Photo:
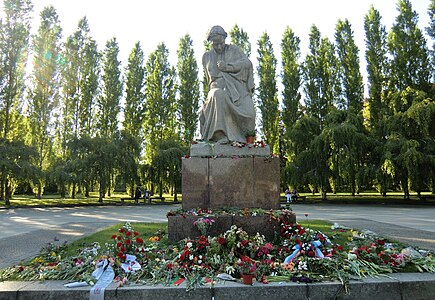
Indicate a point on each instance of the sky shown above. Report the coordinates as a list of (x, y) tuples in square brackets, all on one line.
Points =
[(153, 22)]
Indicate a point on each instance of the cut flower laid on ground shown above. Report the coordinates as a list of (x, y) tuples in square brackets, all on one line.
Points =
[(297, 253)]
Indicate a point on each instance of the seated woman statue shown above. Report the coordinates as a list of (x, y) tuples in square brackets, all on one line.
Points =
[(228, 111)]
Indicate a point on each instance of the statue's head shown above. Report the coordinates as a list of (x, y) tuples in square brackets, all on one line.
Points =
[(216, 31)]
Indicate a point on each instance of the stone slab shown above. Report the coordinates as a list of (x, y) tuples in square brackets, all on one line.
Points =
[(208, 149), (219, 182), (405, 286)]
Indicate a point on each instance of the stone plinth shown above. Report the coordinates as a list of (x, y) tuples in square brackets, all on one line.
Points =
[(180, 227), (216, 182), (204, 149)]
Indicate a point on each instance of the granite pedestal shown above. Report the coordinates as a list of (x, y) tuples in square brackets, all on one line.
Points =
[(230, 182), (221, 175)]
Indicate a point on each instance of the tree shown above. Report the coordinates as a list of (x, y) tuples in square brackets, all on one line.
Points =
[(291, 96), (133, 113), (79, 77), (188, 88), (241, 39), (16, 164), (320, 73), (112, 86), (410, 64), (14, 42), (267, 91), (350, 75), (320, 76), (431, 32), (160, 120), (348, 136), (410, 75), (43, 100), (376, 56), (108, 107)]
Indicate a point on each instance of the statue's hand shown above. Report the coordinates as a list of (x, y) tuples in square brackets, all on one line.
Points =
[(222, 66)]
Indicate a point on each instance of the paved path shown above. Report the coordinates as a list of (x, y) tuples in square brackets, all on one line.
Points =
[(23, 231)]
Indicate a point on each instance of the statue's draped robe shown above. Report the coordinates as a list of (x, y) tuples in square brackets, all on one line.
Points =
[(229, 107)]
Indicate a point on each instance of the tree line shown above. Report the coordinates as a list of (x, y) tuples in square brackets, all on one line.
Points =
[(80, 122)]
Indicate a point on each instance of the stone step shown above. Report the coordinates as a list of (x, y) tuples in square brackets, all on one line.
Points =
[(397, 286)]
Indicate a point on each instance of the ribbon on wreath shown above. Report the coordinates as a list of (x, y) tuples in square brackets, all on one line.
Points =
[(295, 253), (317, 244)]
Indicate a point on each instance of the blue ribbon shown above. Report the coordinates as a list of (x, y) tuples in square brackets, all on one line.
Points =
[(289, 258), (316, 245)]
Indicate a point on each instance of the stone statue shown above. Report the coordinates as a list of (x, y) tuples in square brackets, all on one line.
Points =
[(228, 112)]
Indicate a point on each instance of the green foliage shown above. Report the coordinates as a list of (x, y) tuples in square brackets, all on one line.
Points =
[(188, 89), (240, 38), (267, 91)]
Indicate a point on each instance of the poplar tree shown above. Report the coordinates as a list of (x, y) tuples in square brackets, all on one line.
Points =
[(188, 89), (291, 79), (410, 64), (376, 56), (44, 94), (291, 107), (267, 92), (79, 80), (134, 110), (350, 74), (14, 44), (321, 88), (160, 119), (320, 75), (378, 110), (240, 38), (111, 92)]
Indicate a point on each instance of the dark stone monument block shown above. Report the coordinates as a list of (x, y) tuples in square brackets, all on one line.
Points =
[(216, 182), (180, 227)]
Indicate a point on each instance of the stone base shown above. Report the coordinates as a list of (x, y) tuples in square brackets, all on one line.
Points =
[(241, 182), (180, 227), (210, 149)]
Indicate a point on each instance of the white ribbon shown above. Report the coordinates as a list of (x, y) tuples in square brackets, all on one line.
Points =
[(130, 264)]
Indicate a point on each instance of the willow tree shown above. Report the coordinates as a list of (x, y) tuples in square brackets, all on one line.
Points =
[(133, 113), (188, 89), (267, 92), (44, 95), (14, 44), (160, 118)]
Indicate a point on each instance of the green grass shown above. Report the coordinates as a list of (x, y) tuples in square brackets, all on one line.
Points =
[(145, 230), (56, 200)]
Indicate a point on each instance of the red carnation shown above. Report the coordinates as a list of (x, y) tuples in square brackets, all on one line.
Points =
[(118, 245), (127, 242), (121, 230), (139, 240), (114, 236), (221, 240), (136, 233), (128, 233)]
